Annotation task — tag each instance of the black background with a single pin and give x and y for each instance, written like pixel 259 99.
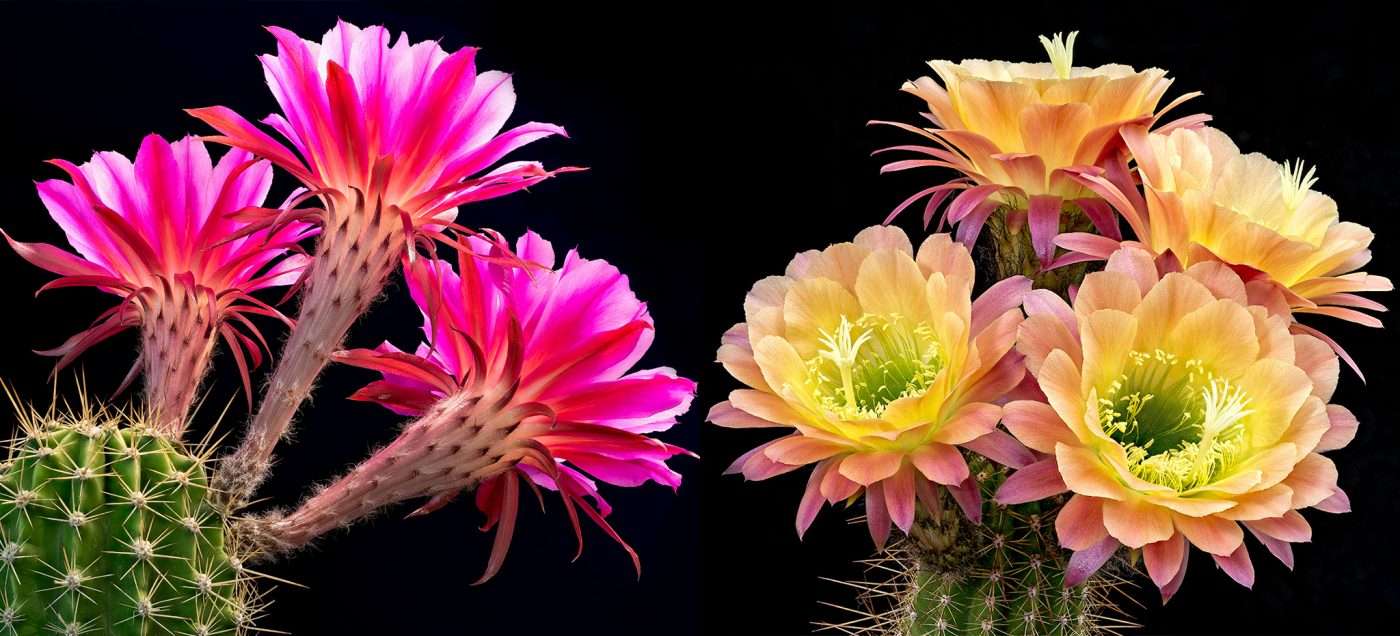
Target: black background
pixel 721 140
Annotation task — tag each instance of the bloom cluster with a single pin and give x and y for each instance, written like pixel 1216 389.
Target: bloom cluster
pixel 1176 398
pixel 525 373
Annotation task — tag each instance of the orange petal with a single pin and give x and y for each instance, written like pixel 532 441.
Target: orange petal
pixel 1135 523
pixel 1213 534
pixel 868 468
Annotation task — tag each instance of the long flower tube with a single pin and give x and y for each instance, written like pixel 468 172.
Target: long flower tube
pixel 883 367
pixel 390 140
pixel 1179 411
pixel 155 232
pixel 523 379
pixel 1018 132
pixel 1203 200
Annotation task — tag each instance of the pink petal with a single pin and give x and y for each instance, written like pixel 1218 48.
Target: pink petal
pixel 1238 566
pixel 1079 523
pixel 899 498
pixel 969 497
pixel 877 518
pixel 1084 563
pixel 1002 449
pixel 1164 559
pixel 1032 483
pixel 812 500
pixel 1044 217
pixel 1001 297
pixel 940 463
pixel 871 467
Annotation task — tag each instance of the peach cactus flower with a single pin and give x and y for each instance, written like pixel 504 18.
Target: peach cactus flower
pixel 1020 134
pixel 1177 413
pixel 1205 200
pixel 882 364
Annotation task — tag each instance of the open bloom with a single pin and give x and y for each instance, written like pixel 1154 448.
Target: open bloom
pixel 523 376
pixel 391 139
pixel 1177 412
pixel 1021 133
pixel 410 127
pixel 882 364
pixel 155 232
pixel 1205 200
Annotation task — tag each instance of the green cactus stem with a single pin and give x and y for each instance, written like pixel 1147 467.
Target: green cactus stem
pixel 106 527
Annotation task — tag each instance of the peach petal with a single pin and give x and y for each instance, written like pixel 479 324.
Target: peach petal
pixel 835 487
pixel 1038 335
pixel 1079 524
pixel 1163 559
pixel 1313 480
pixel 724 414
pixel 1137 264
pixel 1107 290
pixel 1060 380
pixel 1291 527
pixel 869 468
pixel 799 450
pixel 885 237
pixel 969 422
pixel 1171 299
pixel 1318 360
pixel 1212 534
pixel 940 253
pixel 891 283
pixel 1342 428
pixel 1261 504
pixel 1085 474
pixel 1036 425
pixel 1222 281
pixel 765 406
pixel 1135 522
pixel 941 464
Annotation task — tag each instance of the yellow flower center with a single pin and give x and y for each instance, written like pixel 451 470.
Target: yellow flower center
pixel 1061 52
pixel 1180 425
pixel 863 366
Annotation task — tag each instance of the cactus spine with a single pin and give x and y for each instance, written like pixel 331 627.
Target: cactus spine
pixel 1005 576
pixel 106 528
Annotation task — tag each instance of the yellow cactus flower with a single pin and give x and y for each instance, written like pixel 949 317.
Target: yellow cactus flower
pixel 1019 133
pixel 1204 200
pixel 1177 412
pixel 882 363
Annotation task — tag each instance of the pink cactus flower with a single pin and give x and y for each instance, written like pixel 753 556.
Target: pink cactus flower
pixel 391 139
pixel 523 377
pixel 155 233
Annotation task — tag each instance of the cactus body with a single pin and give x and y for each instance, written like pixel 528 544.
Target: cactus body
pixel 1004 576
pixel 107 529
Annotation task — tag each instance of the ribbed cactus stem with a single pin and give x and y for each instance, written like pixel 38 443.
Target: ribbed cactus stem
pixel 178 331
pixel 456 445
pixel 106 527
pixel 951 577
pixel 358 249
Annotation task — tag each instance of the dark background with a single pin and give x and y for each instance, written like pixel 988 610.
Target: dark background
pixel 721 141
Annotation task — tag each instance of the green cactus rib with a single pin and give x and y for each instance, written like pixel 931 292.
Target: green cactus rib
pixel 106 529
pixel 1005 576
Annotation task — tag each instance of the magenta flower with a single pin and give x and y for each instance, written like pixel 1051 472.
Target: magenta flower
pixel 155 233
pixel 523 376
pixel 408 127
pixel 390 139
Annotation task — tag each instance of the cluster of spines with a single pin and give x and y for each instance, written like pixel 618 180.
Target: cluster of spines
pixel 106 527
pixel 950 577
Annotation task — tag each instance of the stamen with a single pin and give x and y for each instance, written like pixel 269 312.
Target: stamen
pixel 1296 183
pixel 1061 52
pixel 865 365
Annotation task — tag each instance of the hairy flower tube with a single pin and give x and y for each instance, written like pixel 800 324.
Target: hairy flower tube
pixel 524 377
pixel 883 365
pixel 1177 413
pixel 1205 200
pixel 391 140
pixel 1020 133
pixel 156 233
